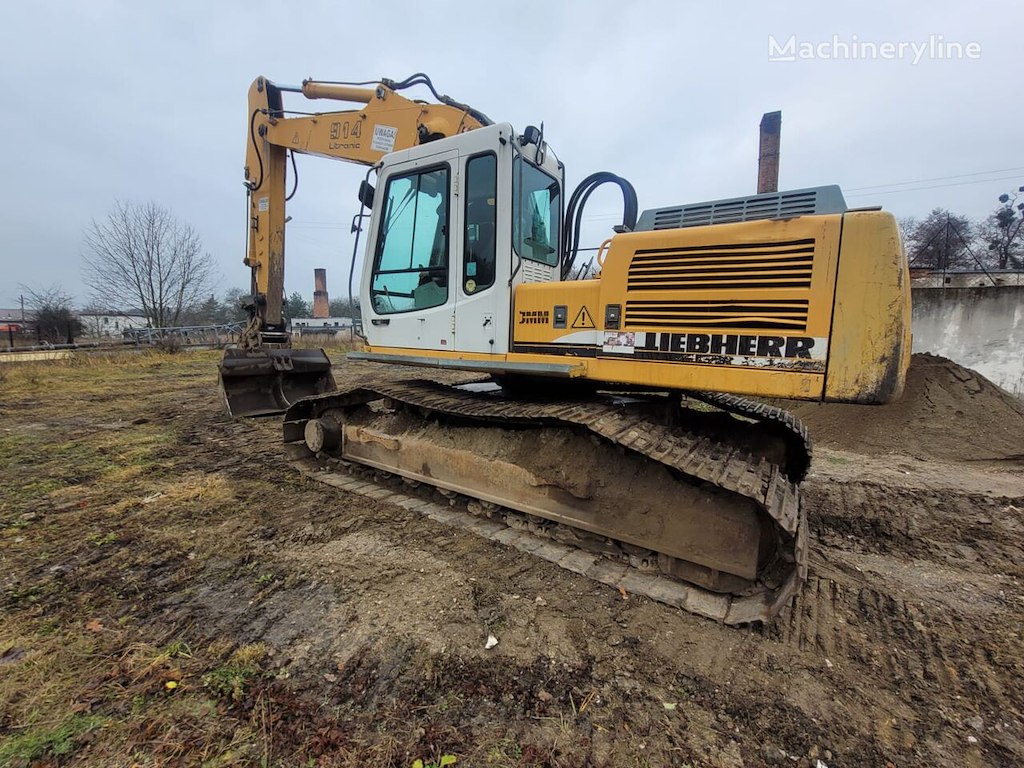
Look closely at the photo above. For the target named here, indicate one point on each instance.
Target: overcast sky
(142, 101)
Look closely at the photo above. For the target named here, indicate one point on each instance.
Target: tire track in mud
(918, 584)
(915, 588)
(902, 638)
(968, 530)
(963, 668)
(839, 615)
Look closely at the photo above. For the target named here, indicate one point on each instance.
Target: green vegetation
(442, 761)
(47, 741)
(232, 680)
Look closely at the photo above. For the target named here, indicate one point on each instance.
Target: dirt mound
(947, 412)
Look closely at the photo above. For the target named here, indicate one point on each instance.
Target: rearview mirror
(366, 191)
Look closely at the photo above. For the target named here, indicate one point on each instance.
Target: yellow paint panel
(534, 321)
(758, 262)
(870, 348)
(830, 322)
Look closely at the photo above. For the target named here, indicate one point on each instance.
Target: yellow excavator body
(616, 435)
(807, 308)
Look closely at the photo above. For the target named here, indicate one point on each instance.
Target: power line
(868, 191)
(933, 186)
(937, 178)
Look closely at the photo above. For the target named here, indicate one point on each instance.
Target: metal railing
(187, 335)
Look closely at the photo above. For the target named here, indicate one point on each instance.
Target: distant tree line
(228, 308)
(141, 261)
(946, 241)
(53, 318)
(141, 256)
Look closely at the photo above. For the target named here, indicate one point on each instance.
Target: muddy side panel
(870, 349)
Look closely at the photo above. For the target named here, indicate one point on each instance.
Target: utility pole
(945, 253)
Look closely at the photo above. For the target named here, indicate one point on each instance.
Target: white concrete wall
(109, 325)
(980, 328)
(965, 279)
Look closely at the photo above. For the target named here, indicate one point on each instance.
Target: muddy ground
(173, 594)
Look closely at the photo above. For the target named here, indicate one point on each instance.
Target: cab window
(536, 210)
(410, 266)
(481, 223)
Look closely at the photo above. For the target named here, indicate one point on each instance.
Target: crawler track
(712, 476)
(783, 423)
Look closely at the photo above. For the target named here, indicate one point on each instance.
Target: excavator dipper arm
(386, 122)
(264, 375)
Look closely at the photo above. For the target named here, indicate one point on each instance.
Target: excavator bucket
(266, 382)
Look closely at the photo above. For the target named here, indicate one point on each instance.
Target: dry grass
(94, 693)
(134, 631)
(89, 506)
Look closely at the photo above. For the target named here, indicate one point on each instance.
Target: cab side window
(410, 265)
(536, 209)
(481, 223)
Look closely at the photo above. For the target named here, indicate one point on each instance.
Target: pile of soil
(947, 412)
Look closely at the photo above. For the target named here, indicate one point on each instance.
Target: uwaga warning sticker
(383, 138)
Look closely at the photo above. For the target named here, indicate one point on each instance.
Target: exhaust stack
(768, 153)
(321, 304)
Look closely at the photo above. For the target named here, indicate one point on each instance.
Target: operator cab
(457, 224)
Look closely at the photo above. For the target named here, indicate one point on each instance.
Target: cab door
(410, 290)
(483, 296)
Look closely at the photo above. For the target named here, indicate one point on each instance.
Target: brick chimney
(321, 304)
(768, 153)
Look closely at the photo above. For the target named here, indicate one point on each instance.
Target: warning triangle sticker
(583, 319)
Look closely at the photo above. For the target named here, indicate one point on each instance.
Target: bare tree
(53, 319)
(140, 255)
(908, 226)
(1003, 234)
(941, 241)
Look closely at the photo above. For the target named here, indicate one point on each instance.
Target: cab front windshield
(536, 211)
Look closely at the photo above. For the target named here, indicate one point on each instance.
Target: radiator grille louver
(753, 315)
(754, 265)
(731, 266)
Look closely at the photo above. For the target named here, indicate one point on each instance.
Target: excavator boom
(264, 375)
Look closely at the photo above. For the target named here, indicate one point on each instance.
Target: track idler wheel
(322, 435)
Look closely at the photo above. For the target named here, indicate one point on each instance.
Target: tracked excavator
(611, 428)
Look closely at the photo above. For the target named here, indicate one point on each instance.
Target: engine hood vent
(772, 205)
